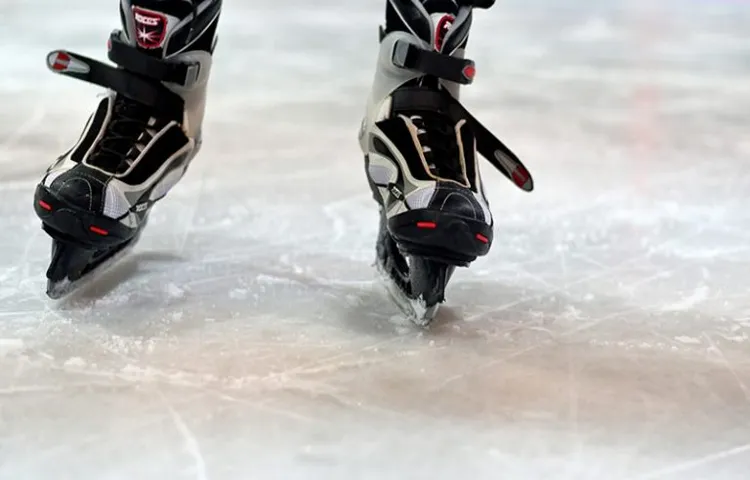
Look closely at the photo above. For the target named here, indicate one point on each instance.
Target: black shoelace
(129, 120)
(437, 136)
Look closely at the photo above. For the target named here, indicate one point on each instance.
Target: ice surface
(605, 336)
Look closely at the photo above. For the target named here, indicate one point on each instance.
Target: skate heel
(441, 237)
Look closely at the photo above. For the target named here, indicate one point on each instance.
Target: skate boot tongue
(122, 141)
(437, 138)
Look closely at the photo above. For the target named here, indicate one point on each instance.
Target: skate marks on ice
(611, 354)
(279, 359)
(314, 397)
(301, 344)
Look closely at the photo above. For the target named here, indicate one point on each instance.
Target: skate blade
(64, 288)
(414, 309)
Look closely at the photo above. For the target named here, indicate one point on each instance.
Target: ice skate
(421, 146)
(94, 201)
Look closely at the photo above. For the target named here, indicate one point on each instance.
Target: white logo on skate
(145, 36)
(396, 192)
(150, 21)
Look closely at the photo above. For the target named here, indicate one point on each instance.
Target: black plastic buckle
(409, 56)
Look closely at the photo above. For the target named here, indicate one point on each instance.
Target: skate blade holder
(411, 57)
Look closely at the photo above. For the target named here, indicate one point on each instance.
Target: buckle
(192, 72)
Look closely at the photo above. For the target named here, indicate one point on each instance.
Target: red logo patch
(150, 28)
(60, 61)
(444, 26)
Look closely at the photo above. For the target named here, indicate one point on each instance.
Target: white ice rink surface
(605, 336)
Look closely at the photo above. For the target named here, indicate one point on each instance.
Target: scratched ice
(605, 336)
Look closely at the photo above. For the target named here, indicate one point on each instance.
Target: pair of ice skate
(420, 144)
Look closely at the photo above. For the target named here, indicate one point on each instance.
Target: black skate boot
(420, 147)
(95, 199)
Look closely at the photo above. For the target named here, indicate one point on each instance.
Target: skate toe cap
(76, 191)
(458, 202)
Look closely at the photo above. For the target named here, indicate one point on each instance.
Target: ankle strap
(407, 100)
(135, 61)
(410, 56)
(132, 85)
